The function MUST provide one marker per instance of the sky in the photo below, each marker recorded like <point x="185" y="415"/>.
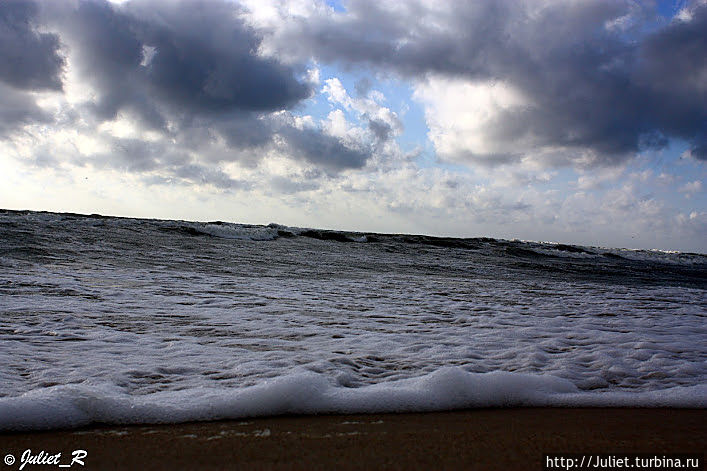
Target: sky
<point x="574" y="121"/>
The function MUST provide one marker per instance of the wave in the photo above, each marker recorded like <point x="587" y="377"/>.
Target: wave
<point x="513" y="248"/>
<point x="222" y="230"/>
<point x="523" y="249"/>
<point x="226" y="230"/>
<point x="448" y="388"/>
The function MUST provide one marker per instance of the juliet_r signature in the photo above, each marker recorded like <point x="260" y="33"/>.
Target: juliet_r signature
<point x="51" y="459"/>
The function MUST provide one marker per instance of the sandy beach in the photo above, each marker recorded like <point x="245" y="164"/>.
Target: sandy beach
<point x="473" y="439"/>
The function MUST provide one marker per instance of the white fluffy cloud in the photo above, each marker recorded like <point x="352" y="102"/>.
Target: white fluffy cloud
<point x="462" y="116"/>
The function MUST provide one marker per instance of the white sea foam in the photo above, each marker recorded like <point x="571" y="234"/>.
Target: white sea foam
<point x="309" y="393"/>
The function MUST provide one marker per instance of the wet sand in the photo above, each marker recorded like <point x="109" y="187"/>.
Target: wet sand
<point x="475" y="439"/>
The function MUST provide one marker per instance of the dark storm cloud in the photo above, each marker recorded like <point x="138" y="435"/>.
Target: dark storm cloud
<point x="248" y="139"/>
<point x="699" y="148"/>
<point x="191" y="57"/>
<point x="29" y="59"/>
<point x="187" y="69"/>
<point x="245" y="132"/>
<point x="594" y="82"/>
<point x="673" y="66"/>
<point x="210" y="64"/>
<point x="322" y="149"/>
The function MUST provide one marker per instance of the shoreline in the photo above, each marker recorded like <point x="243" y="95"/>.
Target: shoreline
<point x="514" y="438"/>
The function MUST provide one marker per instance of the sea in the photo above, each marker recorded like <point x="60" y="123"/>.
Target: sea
<point x="107" y="320"/>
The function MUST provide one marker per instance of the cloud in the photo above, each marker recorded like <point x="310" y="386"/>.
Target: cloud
<point x="599" y="80"/>
<point x="29" y="59"/>
<point x="689" y="189"/>
<point x="141" y="84"/>
<point x="199" y="174"/>
<point x="288" y="186"/>
<point x="380" y="129"/>
<point x="18" y="108"/>
<point x="583" y="83"/>
<point x="382" y="122"/>
<point x="672" y="67"/>
<point x="153" y="57"/>
<point x="323" y="150"/>
<point x="463" y="116"/>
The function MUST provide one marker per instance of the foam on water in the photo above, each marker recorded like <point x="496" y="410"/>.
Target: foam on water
<point x="309" y="393"/>
<point x="135" y="321"/>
